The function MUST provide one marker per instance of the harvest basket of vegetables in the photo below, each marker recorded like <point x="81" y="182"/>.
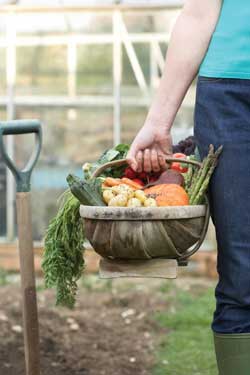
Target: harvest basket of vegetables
<point x="152" y="219"/>
<point x="139" y="231"/>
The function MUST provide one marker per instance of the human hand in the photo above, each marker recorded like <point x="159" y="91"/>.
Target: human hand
<point x="150" y="148"/>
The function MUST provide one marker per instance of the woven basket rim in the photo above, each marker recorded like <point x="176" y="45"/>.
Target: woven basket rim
<point x="142" y="213"/>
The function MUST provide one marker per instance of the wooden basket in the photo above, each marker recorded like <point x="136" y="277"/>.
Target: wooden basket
<point x="144" y="233"/>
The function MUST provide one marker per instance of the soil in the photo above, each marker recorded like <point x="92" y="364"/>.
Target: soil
<point x="110" y="332"/>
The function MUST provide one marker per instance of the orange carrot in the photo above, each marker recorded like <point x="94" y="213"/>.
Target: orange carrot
<point x="104" y="186"/>
<point x="109" y="181"/>
<point x="131" y="183"/>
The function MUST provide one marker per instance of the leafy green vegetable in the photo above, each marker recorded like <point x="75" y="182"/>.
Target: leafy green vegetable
<point x="116" y="153"/>
<point x="111" y="155"/>
<point x="123" y="149"/>
<point x="63" y="256"/>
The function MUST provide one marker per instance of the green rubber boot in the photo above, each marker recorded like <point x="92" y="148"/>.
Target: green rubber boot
<point x="233" y="353"/>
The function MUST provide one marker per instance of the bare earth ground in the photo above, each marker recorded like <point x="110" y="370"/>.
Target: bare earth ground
<point x="110" y="332"/>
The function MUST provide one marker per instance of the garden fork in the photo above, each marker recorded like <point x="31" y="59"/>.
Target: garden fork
<point x="22" y="177"/>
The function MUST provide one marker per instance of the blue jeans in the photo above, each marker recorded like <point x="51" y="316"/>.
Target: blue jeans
<point x="222" y="117"/>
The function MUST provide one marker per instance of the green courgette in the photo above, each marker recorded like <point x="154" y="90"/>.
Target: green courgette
<point x="87" y="192"/>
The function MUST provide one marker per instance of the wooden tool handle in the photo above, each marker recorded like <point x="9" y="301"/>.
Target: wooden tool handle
<point x="30" y="317"/>
<point x="119" y="163"/>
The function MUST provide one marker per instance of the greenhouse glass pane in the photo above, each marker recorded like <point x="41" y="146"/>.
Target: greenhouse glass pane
<point x="93" y="77"/>
<point x="41" y="70"/>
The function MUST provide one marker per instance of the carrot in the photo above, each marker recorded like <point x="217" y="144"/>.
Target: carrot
<point x="104" y="186"/>
<point x="131" y="183"/>
<point x="109" y="181"/>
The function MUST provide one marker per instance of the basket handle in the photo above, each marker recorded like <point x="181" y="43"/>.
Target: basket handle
<point x="193" y="250"/>
<point x="119" y="163"/>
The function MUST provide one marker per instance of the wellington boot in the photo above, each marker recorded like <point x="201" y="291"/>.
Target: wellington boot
<point x="233" y="353"/>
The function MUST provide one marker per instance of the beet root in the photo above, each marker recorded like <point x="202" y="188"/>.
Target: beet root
<point x="168" y="177"/>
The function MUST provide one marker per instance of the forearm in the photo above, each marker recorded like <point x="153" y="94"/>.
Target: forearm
<point x="188" y="45"/>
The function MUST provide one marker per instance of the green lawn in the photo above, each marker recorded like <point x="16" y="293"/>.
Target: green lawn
<point x="3" y="277"/>
<point x="188" y="347"/>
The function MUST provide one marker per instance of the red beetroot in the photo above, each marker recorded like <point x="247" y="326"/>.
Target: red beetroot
<point x="168" y="177"/>
<point x="171" y="177"/>
<point x="153" y="178"/>
<point x="130" y="173"/>
<point x="142" y="175"/>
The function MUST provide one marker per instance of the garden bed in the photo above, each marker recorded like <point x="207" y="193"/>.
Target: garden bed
<point x="106" y="334"/>
<point x="113" y="330"/>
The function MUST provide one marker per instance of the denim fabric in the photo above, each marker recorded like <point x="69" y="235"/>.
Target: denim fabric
<point x="222" y="117"/>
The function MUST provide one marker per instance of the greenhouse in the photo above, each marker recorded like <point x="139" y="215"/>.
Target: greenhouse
<point x="50" y="64"/>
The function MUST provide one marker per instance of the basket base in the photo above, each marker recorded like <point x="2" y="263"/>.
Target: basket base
<point x="152" y="268"/>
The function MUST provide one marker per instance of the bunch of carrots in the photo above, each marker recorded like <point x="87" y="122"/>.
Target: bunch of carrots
<point x="110" y="182"/>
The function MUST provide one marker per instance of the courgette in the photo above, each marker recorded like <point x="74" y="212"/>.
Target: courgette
<point x="87" y="192"/>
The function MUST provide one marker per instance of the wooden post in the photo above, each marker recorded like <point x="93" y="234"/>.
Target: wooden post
<point x="10" y="108"/>
<point x="30" y="316"/>
<point x="117" y="78"/>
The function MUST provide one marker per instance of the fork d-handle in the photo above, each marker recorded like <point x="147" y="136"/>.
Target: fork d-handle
<point x="16" y="127"/>
<point x="29" y="302"/>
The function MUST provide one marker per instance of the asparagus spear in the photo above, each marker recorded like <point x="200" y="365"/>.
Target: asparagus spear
<point x="200" y="195"/>
<point x="202" y="173"/>
<point x="198" y="173"/>
<point x="194" y="173"/>
<point x="188" y="177"/>
<point x="218" y="152"/>
<point x="195" y="177"/>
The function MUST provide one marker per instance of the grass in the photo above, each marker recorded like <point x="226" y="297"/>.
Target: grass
<point x="3" y="277"/>
<point x="188" y="346"/>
